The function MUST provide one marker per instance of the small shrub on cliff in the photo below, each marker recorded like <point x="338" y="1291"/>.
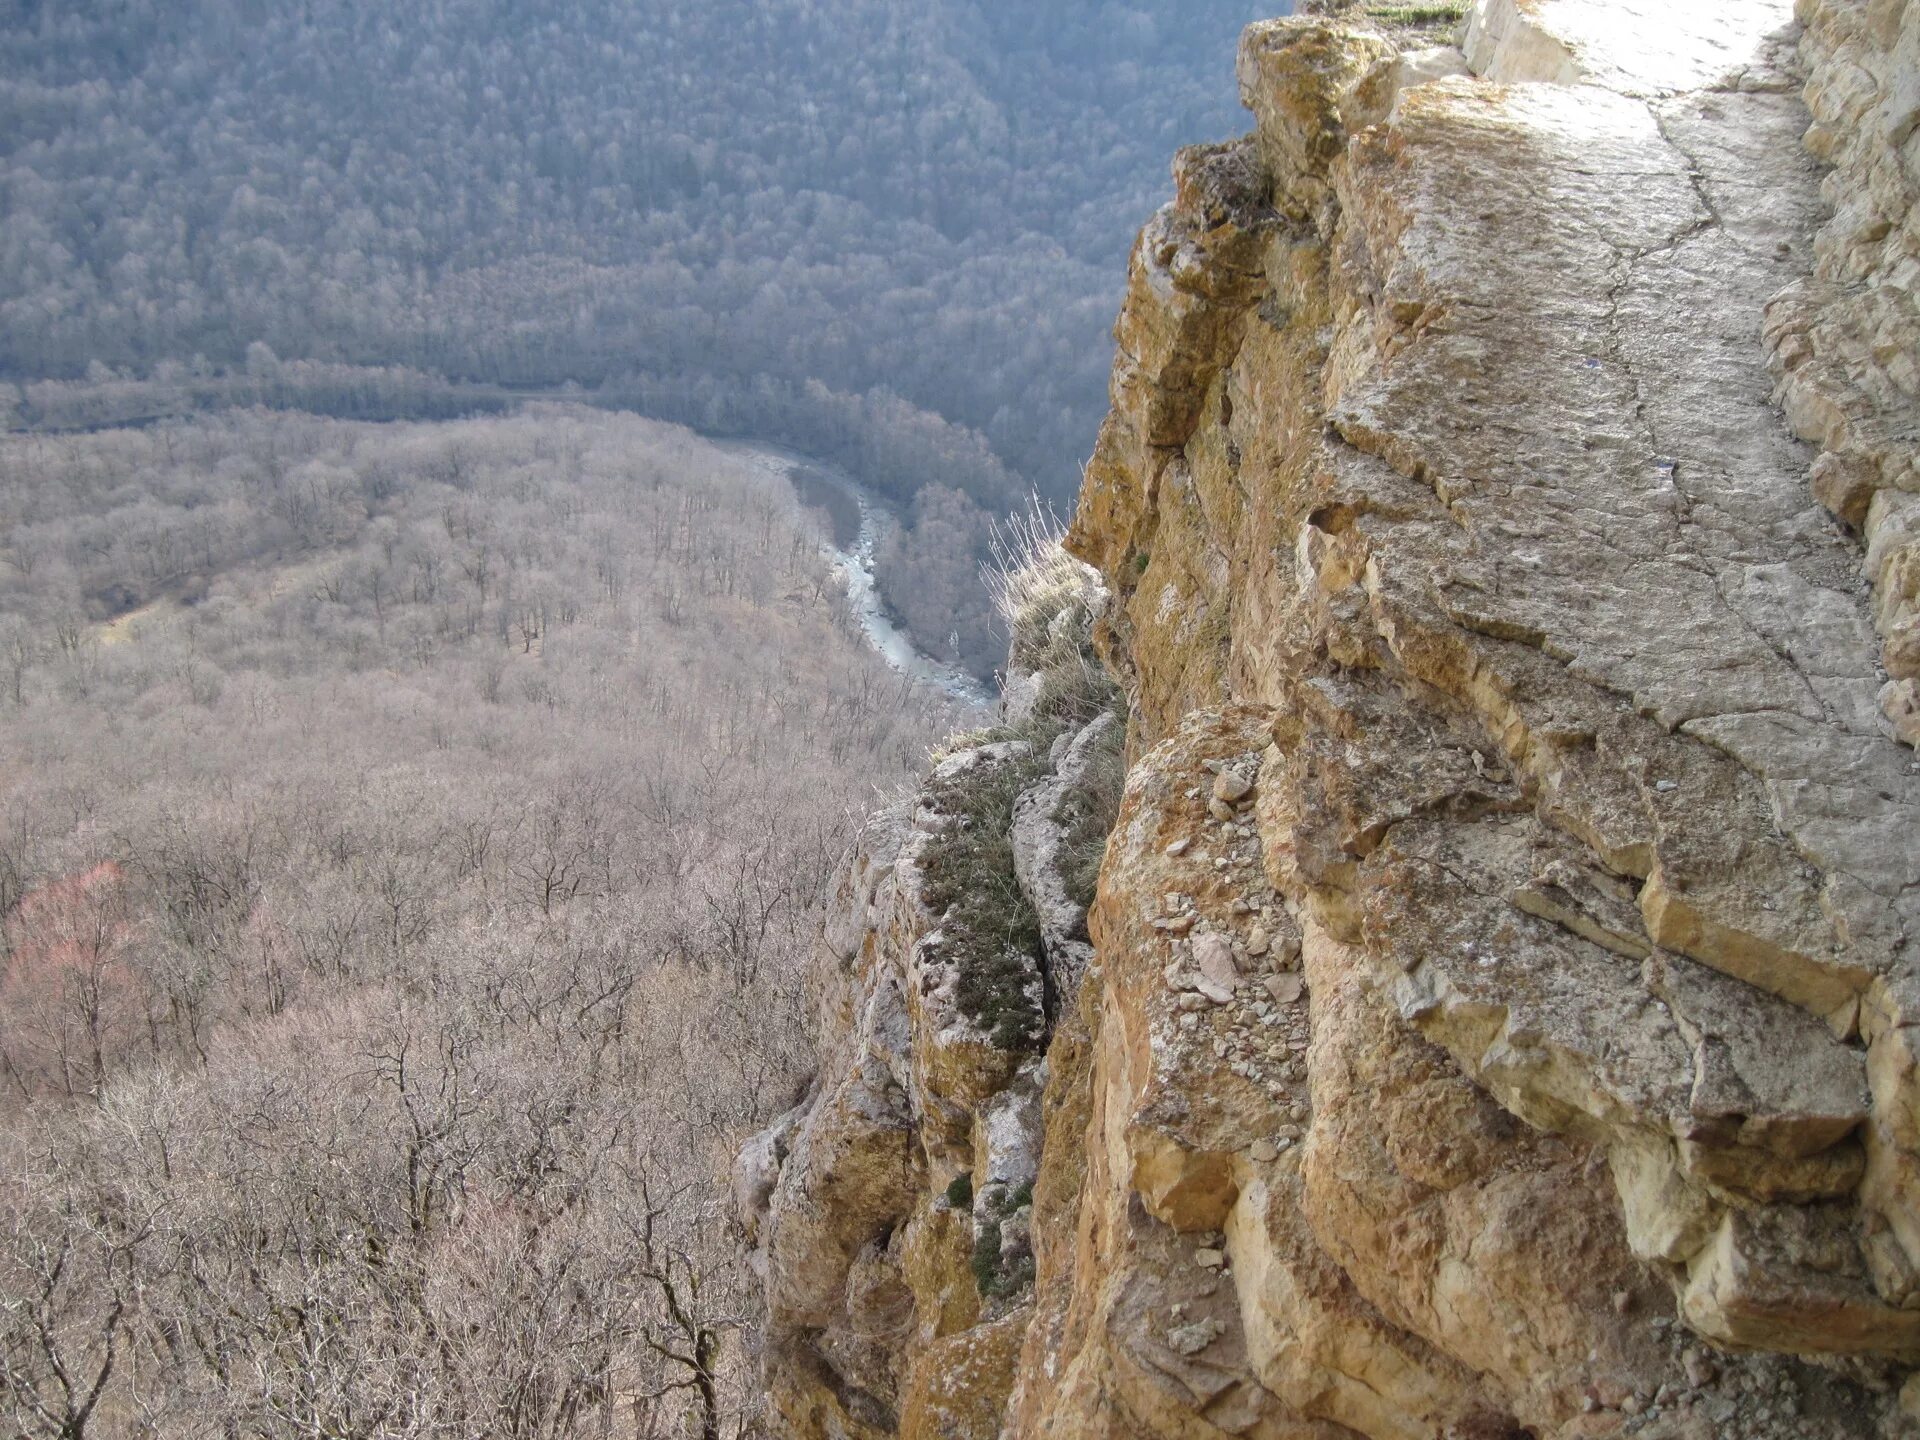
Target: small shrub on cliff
<point x="991" y="930"/>
<point x="960" y="1192"/>
<point x="986" y="1257"/>
<point x="999" y="1271"/>
<point x="1048" y="601"/>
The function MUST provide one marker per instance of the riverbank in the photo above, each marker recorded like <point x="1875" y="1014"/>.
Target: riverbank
<point x="857" y="516"/>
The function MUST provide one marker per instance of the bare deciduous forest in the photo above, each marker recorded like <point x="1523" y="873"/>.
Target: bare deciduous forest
<point x="890" y="233"/>
<point x="420" y="776"/>
<point x="409" y="839"/>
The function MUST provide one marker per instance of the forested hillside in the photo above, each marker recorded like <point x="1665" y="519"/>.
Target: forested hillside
<point x="409" y="839"/>
<point x="931" y="198"/>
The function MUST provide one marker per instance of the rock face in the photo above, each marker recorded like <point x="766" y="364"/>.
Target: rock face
<point x="865" y="1257"/>
<point x="1845" y="340"/>
<point x="1496" y="1015"/>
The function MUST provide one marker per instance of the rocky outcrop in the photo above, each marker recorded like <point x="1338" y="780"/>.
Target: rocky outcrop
<point x="860" y="1203"/>
<point x="891" y="1214"/>
<point x="1497" y="1014"/>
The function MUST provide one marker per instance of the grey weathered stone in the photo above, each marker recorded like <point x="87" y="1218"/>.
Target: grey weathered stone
<point x="1039" y="836"/>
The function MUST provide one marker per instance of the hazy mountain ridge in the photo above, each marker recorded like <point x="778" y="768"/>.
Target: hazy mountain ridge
<point x="931" y="198"/>
<point x="822" y="226"/>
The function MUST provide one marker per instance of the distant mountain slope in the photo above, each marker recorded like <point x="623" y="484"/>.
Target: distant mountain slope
<point x="931" y="197"/>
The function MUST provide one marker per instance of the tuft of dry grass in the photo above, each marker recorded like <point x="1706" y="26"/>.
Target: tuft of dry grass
<point x="1044" y="596"/>
<point x="1431" y="13"/>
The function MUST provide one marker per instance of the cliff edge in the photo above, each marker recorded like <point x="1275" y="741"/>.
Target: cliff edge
<point x="1494" y="1015"/>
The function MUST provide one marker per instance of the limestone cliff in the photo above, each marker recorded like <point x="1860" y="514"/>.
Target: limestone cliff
<point x="1495" y="1015"/>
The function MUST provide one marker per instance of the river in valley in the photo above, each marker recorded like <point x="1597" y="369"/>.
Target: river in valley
<point x="858" y="518"/>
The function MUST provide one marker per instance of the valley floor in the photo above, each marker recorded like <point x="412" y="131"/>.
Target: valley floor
<point x="410" y="835"/>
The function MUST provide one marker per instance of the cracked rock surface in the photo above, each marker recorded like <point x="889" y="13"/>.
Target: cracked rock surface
<point x="1504" y="971"/>
<point x="1580" y="774"/>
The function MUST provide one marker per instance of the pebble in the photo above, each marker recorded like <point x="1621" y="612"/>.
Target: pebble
<point x="1209" y="1259"/>
<point x="1220" y="810"/>
<point x="1231" y="787"/>
<point x="1213" y="955"/>
<point x="1179" y="847"/>
<point x="1259" y="942"/>
<point x="1264" y="1151"/>
<point x="1285" y="989"/>
<point x="1217" y="993"/>
<point x="1192" y="1339"/>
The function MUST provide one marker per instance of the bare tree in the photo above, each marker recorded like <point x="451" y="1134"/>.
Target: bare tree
<point x="679" y="1253"/>
<point x="70" y="1277"/>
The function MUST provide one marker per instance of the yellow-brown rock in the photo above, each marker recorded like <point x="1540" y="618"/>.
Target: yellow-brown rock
<point x="1507" y="958"/>
<point x="958" y="1386"/>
